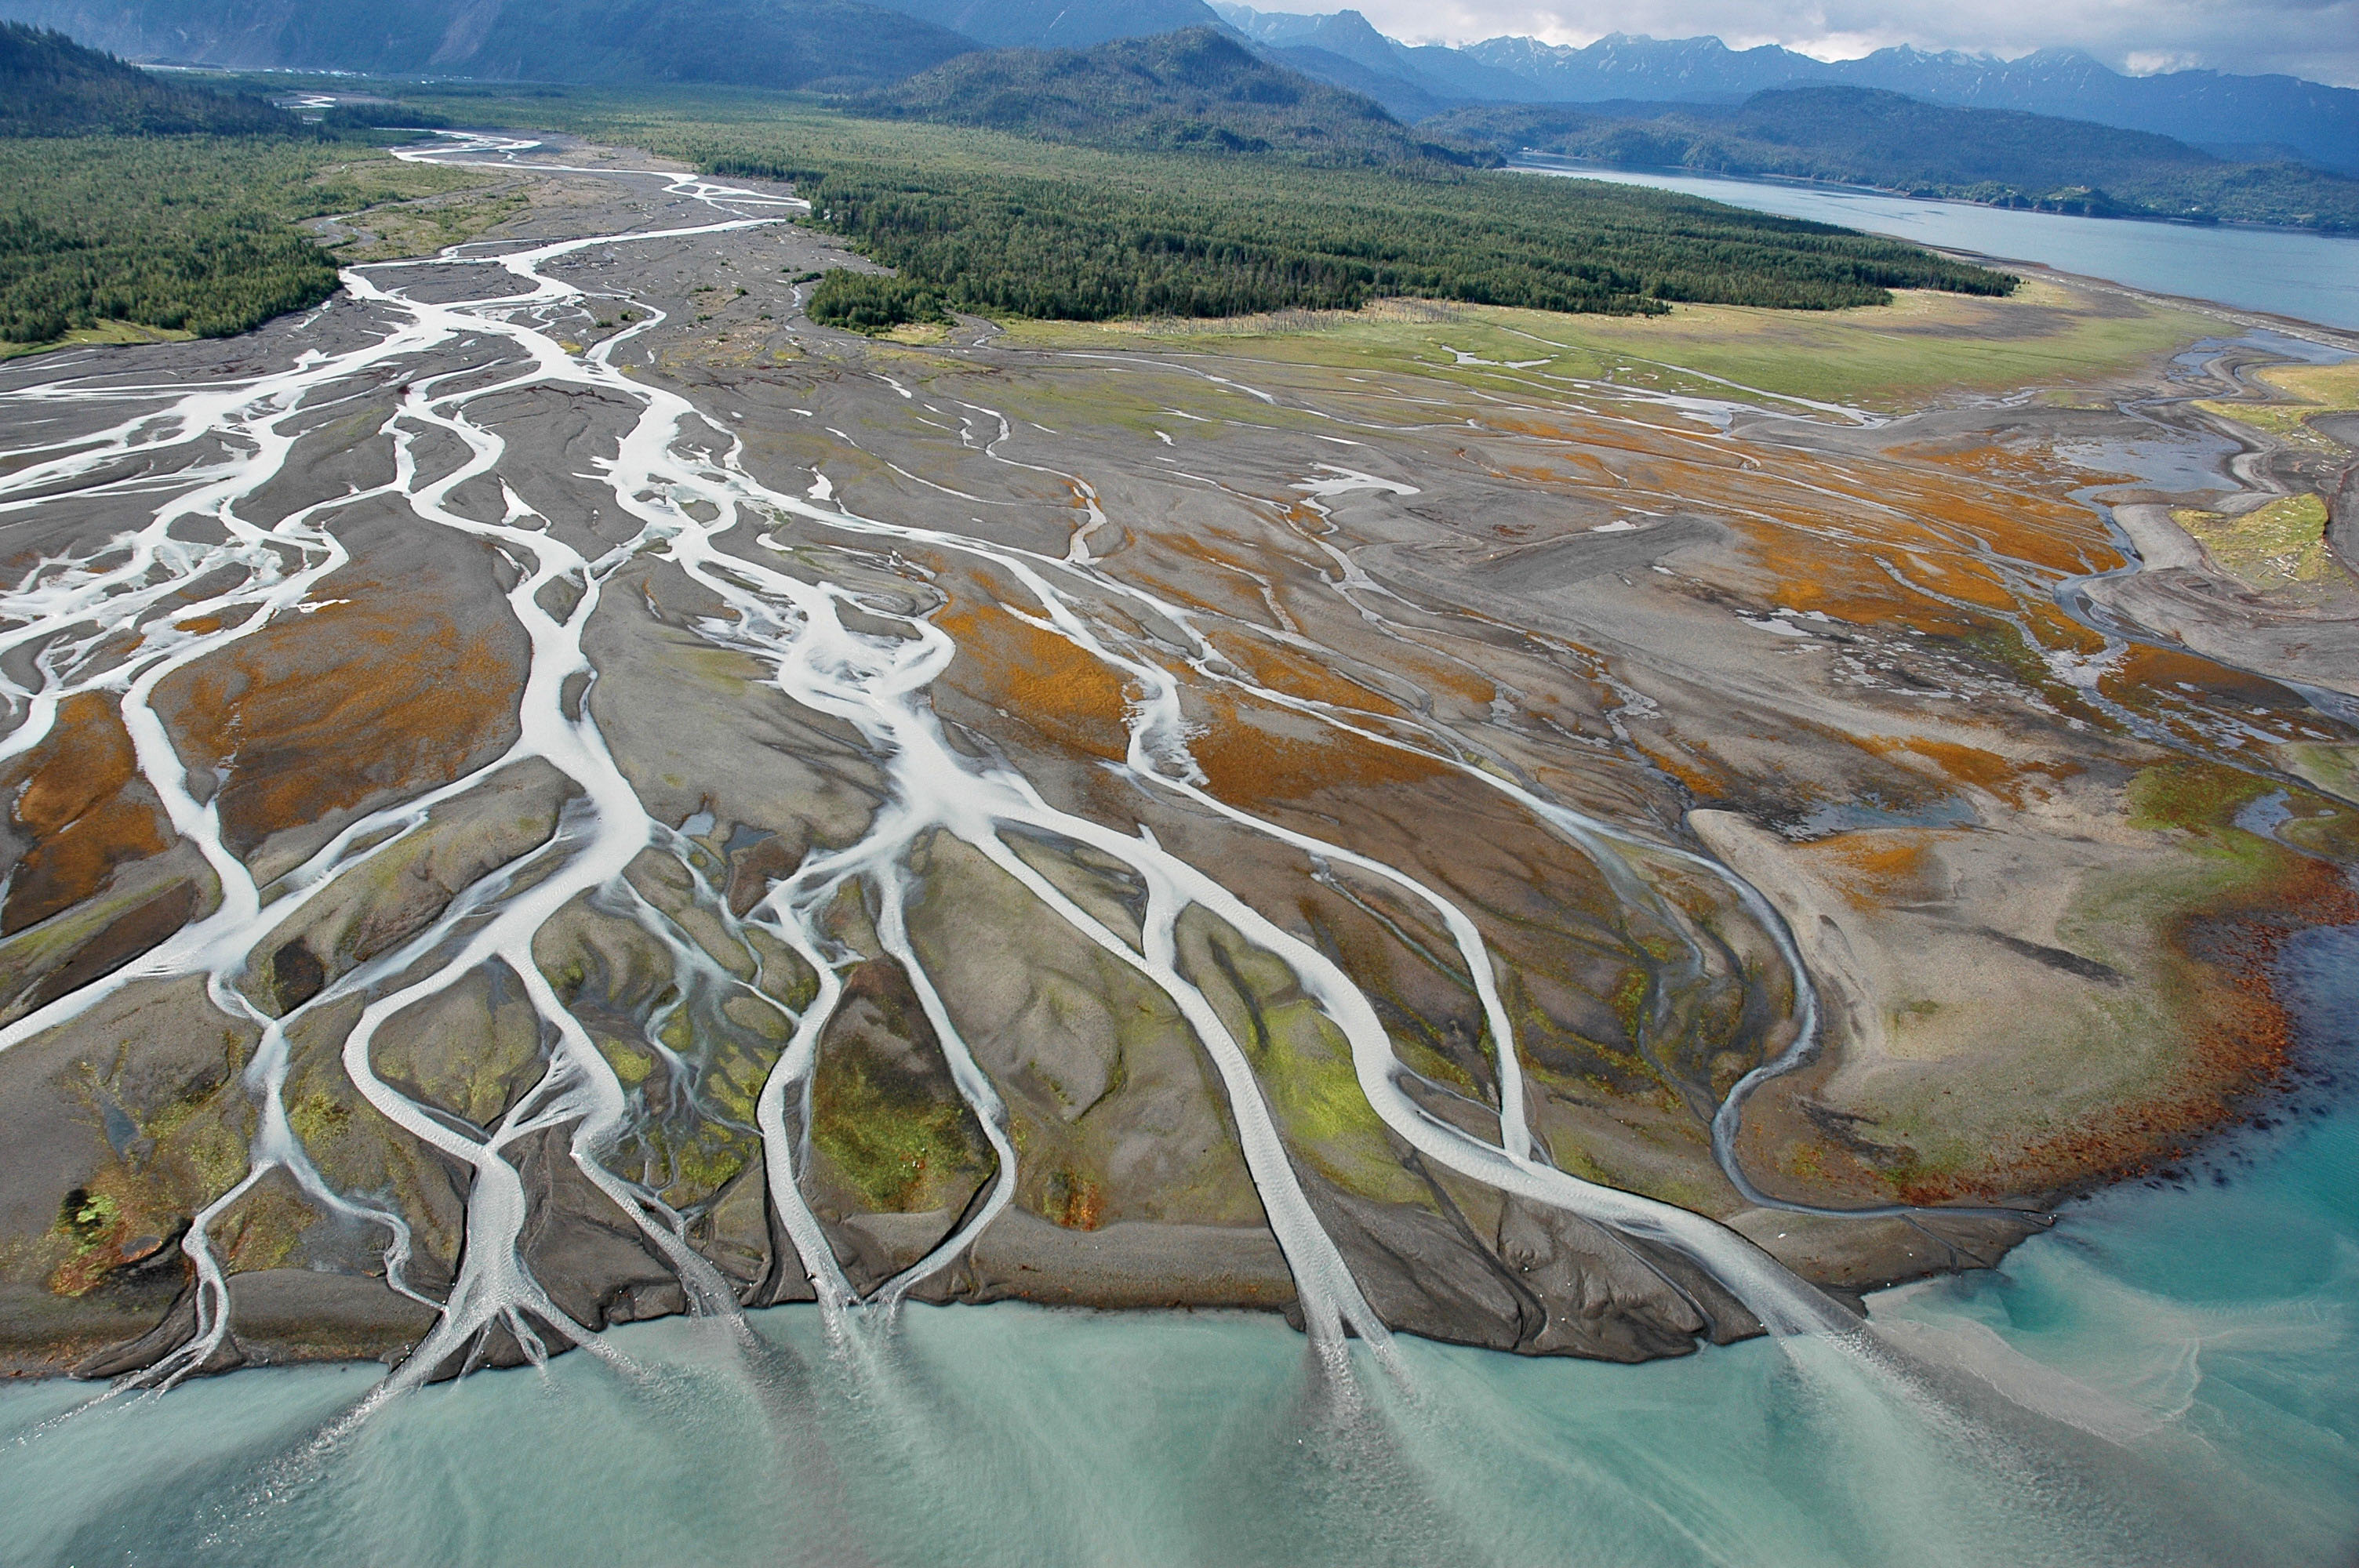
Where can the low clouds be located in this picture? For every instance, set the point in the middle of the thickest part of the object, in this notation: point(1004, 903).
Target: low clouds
point(2313, 39)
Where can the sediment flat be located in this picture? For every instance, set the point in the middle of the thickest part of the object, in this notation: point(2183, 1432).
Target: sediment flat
point(1604, 722)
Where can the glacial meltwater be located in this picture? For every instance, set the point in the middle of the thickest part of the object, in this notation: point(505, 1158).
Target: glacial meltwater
point(2285, 272)
point(2170, 1376)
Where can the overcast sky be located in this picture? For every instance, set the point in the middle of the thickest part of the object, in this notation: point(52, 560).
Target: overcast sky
point(2314, 39)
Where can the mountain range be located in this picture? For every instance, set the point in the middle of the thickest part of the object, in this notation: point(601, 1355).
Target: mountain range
point(1200, 90)
point(768, 43)
point(1057, 24)
point(1861, 136)
point(2243, 116)
point(840, 44)
point(848, 45)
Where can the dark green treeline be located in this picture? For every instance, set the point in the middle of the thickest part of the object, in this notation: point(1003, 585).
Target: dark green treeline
point(1173, 235)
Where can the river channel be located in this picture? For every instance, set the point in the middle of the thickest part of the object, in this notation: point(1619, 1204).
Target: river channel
point(2170, 1375)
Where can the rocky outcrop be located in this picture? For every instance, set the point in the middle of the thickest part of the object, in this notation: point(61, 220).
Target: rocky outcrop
point(2343, 519)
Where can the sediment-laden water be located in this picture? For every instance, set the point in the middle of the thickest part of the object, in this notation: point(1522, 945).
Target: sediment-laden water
point(2195, 1336)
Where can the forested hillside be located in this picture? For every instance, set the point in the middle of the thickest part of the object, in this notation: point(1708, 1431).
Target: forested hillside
point(836, 44)
point(1006, 224)
point(1857, 136)
point(189, 235)
point(51, 86)
point(1197, 90)
point(176, 220)
point(1192, 240)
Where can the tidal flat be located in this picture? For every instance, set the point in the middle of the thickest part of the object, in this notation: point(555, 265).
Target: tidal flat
point(555, 792)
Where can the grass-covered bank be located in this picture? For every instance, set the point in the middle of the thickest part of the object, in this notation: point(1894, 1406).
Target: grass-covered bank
point(1923, 347)
point(1017, 227)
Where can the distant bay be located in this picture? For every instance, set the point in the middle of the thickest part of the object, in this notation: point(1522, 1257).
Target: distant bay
point(2285, 272)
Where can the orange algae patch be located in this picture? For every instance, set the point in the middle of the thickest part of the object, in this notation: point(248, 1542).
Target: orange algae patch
point(2018, 464)
point(1039, 678)
point(2146, 668)
point(1247, 603)
point(1572, 465)
point(1942, 570)
point(1812, 574)
point(2056, 630)
point(1301, 516)
point(1076, 1202)
point(1705, 776)
point(1838, 580)
point(74, 802)
point(206, 625)
point(1887, 866)
point(1508, 425)
point(1246, 760)
point(2022, 524)
point(315, 714)
point(1986, 770)
point(1283, 670)
point(1827, 526)
point(1186, 598)
point(1440, 675)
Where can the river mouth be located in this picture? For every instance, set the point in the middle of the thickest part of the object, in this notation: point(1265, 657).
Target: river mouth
point(675, 1036)
point(1027, 1436)
point(2202, 1323)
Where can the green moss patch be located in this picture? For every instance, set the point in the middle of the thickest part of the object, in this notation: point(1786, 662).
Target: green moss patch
point(891, 1141)
point(2282, 545)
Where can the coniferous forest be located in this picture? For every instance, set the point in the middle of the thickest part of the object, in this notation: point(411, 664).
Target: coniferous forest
point(1222, 184)
point(866, 302)
point(133, 198)
point(1195, 240)
point(51, 86)
point(167, 222)
point(1006, 224)
point(188, 233)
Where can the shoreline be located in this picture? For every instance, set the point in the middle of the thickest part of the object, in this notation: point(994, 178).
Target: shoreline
point(1539, 159)
point(1125, 1269)
point(1974, 249)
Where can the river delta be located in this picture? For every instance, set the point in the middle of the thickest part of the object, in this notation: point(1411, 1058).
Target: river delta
point(552, 793)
